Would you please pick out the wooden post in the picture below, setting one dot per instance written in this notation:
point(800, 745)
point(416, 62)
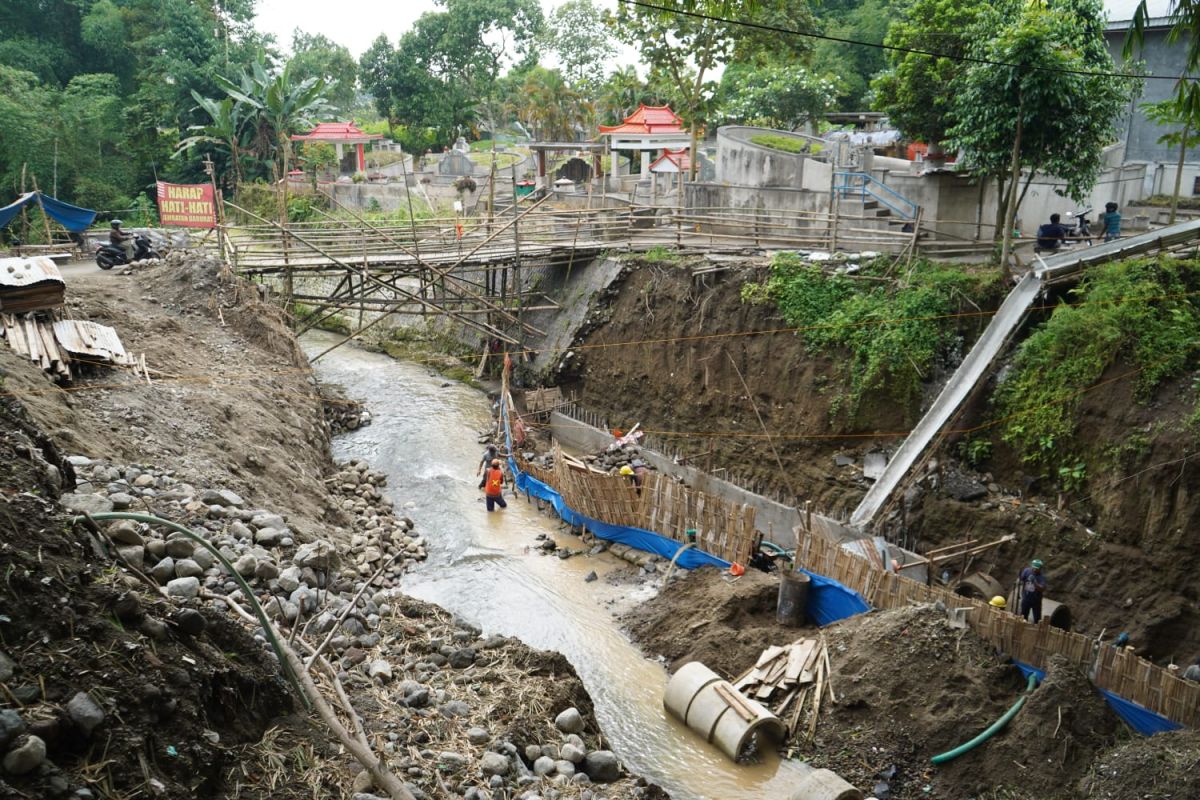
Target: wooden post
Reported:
point(517, 257)
point(42, 206)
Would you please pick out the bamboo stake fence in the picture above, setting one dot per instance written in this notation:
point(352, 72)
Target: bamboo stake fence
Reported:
point(663, 506)
point(1119, 671)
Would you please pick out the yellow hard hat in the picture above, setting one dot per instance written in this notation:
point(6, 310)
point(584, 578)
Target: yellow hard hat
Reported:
point(626, 470)
point(998, 602)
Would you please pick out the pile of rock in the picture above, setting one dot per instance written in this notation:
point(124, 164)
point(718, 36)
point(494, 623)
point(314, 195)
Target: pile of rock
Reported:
point(294, 581)
point(343, 414)
point(627, 455)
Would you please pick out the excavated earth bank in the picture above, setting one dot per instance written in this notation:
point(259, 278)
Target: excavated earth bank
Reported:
point(115, 684)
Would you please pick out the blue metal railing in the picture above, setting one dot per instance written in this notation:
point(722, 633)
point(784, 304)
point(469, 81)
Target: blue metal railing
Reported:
point(863, 186)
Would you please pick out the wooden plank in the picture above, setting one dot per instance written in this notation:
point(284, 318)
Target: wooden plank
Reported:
point(768, 655)
point(798, 656)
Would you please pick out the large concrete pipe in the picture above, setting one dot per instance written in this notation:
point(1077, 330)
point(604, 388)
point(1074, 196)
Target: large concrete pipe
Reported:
point(1059, 614)
point(711, 707)
point(793, 599)
point(821, 784)
point(979, 585)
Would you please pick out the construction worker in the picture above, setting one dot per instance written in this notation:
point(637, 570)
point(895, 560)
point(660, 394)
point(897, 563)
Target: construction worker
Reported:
point(1192, 673)
point(489, 456)
point(1033, 587)
point(493, 486)
point(998, 602)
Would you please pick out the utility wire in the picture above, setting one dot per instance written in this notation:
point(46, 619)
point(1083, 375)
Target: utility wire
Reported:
point(898, 49)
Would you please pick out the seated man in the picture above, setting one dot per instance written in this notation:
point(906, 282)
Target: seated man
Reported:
point(1052, 235)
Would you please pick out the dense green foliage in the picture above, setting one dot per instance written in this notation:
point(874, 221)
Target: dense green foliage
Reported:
point(893, 333)
point(1141, 314)
point(774, 95)
point(95, 93)
point(853, 66)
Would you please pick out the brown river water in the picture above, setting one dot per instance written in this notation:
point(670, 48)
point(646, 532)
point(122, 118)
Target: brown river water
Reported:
point(480, 567)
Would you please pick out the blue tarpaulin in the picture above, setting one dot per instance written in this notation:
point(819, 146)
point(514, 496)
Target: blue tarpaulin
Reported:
point(830, 601)
point(73, 218)
point(633, 537)
point(1140, 718)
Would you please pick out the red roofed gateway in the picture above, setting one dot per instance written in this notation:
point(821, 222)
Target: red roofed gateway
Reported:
point(339, 134)
point(647, 131)
point(648, 119)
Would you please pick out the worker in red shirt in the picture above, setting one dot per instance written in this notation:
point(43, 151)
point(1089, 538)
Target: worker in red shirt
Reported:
point(493, 486)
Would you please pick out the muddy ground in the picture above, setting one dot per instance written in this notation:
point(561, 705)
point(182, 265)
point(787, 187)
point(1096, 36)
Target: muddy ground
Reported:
point(909, 686)
point(1121, 553)
point(111, 676)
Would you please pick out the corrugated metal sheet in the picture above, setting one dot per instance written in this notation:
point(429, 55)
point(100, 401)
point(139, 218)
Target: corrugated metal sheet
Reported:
point(21, 272)
point(82, 338)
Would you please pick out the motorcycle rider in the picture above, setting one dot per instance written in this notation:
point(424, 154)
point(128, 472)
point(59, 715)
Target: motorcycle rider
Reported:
point(123, 240)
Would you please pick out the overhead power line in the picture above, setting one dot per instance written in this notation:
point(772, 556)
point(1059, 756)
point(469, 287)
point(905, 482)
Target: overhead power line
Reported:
point(896, 48)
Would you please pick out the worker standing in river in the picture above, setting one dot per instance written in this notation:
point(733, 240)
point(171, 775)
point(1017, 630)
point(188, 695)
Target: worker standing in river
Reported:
point(489, 456)
point(493, 486)
point(1033, 587)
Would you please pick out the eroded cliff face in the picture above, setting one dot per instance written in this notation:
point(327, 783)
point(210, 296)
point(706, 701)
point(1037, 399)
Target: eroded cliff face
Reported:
point(672, 352)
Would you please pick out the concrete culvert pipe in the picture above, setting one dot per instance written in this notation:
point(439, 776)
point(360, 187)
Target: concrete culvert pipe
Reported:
point(979, 585)
point(711, 707)
point(1059, 614)
point(822, 784)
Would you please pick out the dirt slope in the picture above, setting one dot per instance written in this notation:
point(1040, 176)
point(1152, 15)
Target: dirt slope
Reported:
point(234, 404)
point(1122, 553)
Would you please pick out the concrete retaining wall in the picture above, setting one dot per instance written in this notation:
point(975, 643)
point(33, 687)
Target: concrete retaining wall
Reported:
point(740, 162)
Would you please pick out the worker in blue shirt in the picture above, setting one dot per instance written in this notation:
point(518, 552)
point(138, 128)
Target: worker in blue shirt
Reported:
point(1033, 587)
point(1111, 222)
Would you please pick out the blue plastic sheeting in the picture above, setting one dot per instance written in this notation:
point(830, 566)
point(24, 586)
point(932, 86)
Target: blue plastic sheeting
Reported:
point(633, 537)
point(830, 601)
point(1140, 718)
point(73, 218)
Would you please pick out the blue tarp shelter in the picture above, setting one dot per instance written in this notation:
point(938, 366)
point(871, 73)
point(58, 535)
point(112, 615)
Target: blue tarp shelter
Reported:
point(73, 218)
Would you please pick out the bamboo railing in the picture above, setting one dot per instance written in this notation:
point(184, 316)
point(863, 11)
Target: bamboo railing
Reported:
point(1119, 671)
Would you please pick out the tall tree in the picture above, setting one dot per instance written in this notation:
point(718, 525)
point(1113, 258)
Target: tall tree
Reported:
point(689, 47)
point(316, 56)
point(915, 90)
point(578, 36)
point(774, 95)
point(855, 66)
point(1185, 136)
point(1034, 106)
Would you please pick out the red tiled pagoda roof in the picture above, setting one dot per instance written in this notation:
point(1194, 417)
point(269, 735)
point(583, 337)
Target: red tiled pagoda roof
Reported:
point(648, 119)
point(336, 132)
point(680, 158)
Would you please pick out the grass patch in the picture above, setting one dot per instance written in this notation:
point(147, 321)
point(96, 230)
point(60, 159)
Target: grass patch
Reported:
point(334, 324)
point(787, 144)
point(658, 256)
point(446, 356)
point(1143, 312)
point(894, 333)
point(1164, 201)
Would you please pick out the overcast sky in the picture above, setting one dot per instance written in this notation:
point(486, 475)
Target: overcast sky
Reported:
point(354, 23)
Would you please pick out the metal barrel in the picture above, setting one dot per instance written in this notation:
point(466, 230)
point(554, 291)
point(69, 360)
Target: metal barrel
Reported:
point(793, 599)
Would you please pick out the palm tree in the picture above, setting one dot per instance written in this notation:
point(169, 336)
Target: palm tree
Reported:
point(225, 130)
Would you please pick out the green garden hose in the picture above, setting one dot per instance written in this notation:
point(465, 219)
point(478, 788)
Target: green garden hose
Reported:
point(992, 729)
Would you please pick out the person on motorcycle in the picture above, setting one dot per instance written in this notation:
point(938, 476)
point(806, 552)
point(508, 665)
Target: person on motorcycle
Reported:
point(1052, 235)
point(123, 240)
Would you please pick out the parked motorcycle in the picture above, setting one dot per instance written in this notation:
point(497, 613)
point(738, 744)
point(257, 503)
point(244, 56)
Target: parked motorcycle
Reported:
point(108, 255)
point(1079, 227)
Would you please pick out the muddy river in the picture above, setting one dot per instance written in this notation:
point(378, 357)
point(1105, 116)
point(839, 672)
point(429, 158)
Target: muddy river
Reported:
point(424, 436)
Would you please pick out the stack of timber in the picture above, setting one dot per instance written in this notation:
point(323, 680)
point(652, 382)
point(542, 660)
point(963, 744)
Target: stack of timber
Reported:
point(30, 284)
point(34, 339)
point(54, 345)
point(794, 676)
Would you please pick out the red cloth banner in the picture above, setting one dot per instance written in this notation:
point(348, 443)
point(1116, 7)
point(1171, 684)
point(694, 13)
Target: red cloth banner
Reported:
point(186, 205)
